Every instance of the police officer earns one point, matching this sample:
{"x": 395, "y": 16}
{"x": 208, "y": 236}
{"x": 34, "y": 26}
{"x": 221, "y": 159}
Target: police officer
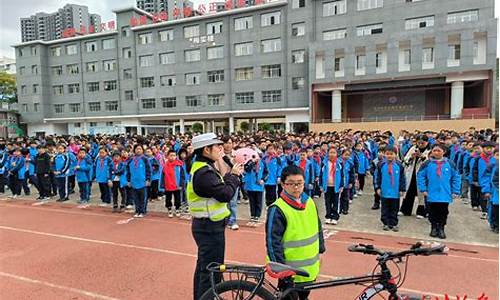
{"x": 208, "y": 194}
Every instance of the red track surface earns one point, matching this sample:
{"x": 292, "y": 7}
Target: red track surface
{"x": 61, "y": 252}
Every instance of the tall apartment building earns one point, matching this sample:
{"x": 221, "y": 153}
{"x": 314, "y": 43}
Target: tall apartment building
{"x": 47, "y": 27}
{"x": 156, "y": 6}
{"x": 321, "y": 64}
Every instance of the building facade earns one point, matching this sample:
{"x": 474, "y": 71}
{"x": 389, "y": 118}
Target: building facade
{"x": 7, "y": 65}
{"x": 291, "y": 63}
{"x": 156, "y": 6}
{"x": 47, "y": 27}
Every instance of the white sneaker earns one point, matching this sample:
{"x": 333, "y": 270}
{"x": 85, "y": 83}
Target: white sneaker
{"x": 419, "y": 217}
{"x": 234, "y": 227}
{"x": 177, "y": 214}
{"x": 327, "y": 221}
{"x": 355, "y": 196}
{"x": 360, "y": 193}
{"x": 140, "y": 216}
{"x": 484, "y": 216}
{"x": 350, "y": 201}
{"x": 171, "y": 213}
{"x": 129, "y": 207}
{"x": 136, "y": 216}
{"x": 400, "y": 213}
{"x": 334, "y": 222}
{"x": 103, "y": 205}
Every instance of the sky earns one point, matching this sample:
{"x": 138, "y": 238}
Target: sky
{"x": 12, "y": 10}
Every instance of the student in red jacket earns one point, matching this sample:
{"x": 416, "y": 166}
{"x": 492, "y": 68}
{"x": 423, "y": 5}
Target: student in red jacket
{"x": 172, "y": 183}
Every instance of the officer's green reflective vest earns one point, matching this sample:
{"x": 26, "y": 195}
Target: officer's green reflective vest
{"x": 301, "y": 238}
{"x": 200, "y": 207}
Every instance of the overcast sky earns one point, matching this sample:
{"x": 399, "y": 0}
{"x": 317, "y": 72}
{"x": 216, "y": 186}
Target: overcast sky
{"x": 12, "y": 10}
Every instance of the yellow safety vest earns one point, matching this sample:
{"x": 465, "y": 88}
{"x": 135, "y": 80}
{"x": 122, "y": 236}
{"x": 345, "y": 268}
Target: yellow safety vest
{"x": 200, "y": 207}
{"x": 301, "y": 239}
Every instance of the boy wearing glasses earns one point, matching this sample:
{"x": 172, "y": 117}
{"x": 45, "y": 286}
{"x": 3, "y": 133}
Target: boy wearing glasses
{"x": 293, "y": 230}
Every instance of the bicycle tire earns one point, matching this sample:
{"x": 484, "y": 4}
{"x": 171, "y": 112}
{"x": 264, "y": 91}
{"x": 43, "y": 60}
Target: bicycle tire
{"x": 238, "y": 285}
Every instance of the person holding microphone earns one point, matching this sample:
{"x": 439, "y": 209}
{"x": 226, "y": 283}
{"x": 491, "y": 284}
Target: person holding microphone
{"x": 208, "y": 195}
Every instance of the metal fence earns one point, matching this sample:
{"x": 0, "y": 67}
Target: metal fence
{"x": 406, "y": 118}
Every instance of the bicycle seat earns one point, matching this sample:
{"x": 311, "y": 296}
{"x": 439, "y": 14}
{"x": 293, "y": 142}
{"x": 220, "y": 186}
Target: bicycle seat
{"x": 280, "y": 271}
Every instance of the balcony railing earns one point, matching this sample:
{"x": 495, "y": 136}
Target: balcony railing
{"x": 406, "y": 118}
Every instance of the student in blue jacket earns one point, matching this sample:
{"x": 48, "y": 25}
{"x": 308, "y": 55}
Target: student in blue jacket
{"x": 155, "y": 175}
{"x": 439, "y": 181}
{"x": 61, "y": 170}
{"x": 363, "y": 166}
{"x": 3, "y": 167}
{"x": 480, "y": 170}
{"x": 273, "y": 165}
{"x": 349, "y": 169}
{"x": 71, "y": 174}
{"x": 83, "y": 176}
{"x": 307, "y": 166}
{"x": 103, "y": 171}
{"x": 129, "y": 202}
{"x": 139, "y": 178}
{"x": 118, "y": 187}
{"x": 254, "y": 186}
{"x": 390, "y": 184}
{"x": 332, "y": 183}
{"x": 17, "y": 172}
{"x": 489, "y": 188}
{"x": 469, "y": 162}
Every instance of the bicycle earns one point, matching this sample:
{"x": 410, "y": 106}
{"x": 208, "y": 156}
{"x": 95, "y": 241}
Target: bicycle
{"x": 251, "y": 283}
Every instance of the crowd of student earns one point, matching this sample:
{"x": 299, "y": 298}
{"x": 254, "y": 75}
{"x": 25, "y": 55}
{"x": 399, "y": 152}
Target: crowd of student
{"x": 130, "y": 171}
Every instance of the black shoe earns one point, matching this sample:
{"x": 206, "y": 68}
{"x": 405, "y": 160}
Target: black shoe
{"x": 39, "y": 198}
{"x": 60, "y": 200}
{"x": 375, "y": 206}
{"x": 434, "y": 231}
{"x": 115, "y": 209}
{"x": 441, "y": 233}
{"x": 345, "y": 212}
{"x": 65, "y": 199}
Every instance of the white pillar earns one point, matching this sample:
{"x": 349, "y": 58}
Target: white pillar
{"x": 457, "y": 99}
{"x": 231, "y": 125}
{"x": 287, "y": 126}
{"x": 212, "y": 126}
{"x": 181, "y": 126}
{"x": 336, "y": 106}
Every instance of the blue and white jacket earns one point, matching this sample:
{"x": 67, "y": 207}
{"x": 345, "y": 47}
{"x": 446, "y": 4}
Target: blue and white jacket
{"x": 84, "y": 173}
{"x": 439, "y": 188}
{"x": 274, "y": 168}
{"x": 340, "y": 178}
{"x": 252, "y": 176}
{"x": 61, "y": 164}
{"x": 103, "y": 169}
{"x": 138, "y": 171}
{"x": 489, "y": 184}
{"x": 363, "y": 162}
{"x": 390, "y": 185}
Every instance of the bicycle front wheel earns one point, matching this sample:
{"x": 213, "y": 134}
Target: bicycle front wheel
{"x": 238, "y": 290}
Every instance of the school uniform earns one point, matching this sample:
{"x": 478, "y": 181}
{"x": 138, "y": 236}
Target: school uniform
{"x": 349, "y": 173}
{"x": 391, "y": 181}
{"x": 138, "y": 172}
{"x": 307, "y": 166}
{"x": 129, "y": 197}
{"x": 118, "y": 187}
{"x": 30, "y": 176}
{"x": 489, "y": 185}
{"x": 72, "y": 174}
{"x": 17, "y": 173}
{"x": 332, "y": 183}
{"x": 3, "y": 170}
{"x": 272, "y": 164}
{"x": 318, "y": 165}
{"x": 103, "y": 170}
{"x": 155, "y": 177}
{"x": 480, "y": 170}
{"x": 61, "y": 165}
{"x": 363, "y": 167}
{"x": 83, "y": 176}
{"x": 172, "y": 181}
{"x": 475, "y": 191}
{"x": 42, "y": 164}
{"x": 461, "y": 158}
{"x": 254, "y": 173}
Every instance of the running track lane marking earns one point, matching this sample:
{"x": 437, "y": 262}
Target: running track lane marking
{"x": 126, "y": 221}
{"x": 245, "y": 231}
{"x": 61, "y": 287}
{"x": 165, "y": 251}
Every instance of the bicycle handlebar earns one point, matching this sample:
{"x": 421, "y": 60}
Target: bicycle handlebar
{"x": 416, "y": 249}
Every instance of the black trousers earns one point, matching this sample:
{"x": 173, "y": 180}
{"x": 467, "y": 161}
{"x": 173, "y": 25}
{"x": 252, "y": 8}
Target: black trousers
{"x": 153, "y": 189}
{"x": 475, "y": 195}
{"x": 105, "y": 192}
{"x": 494, "y": 216}
{"x": 389, "y": 211}
{"x": 177, "y": 199}
{"x": 438, "y": 212}
{"x": 483, "y": 203}
{"x": 2, "y": 183}
{"x": 344, "y": 201}
{"x": 44, "y": 185}
{"x": 361, "y": 180}
{"x": 72, "y": 183}
{"x": 62, "y": 186}
{"x": 332, "y": 205}
{"x": 15, "y": 184}
{"x": 376, "y": 199}
{"x": 280, "y": 189}
{"x": 115, "y": 189}
{"x": 53, "y": 184}
{"x": 271, "y": 195}
{"x": 409, "y": 199}
{"x": 283, "y": 284}
{"x": 255, "y": 199}
{"x": 211, "y": 242}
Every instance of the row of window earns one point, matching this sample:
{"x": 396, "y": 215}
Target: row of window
{"x": 74, "y": 88}
{"x": 109, "y": 106}
{"x": 91, "y": 46}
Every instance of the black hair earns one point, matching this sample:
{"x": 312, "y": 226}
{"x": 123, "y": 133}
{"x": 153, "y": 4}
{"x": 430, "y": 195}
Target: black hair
{"x": 171, "y": 151}
{"x": 291, "y": 170}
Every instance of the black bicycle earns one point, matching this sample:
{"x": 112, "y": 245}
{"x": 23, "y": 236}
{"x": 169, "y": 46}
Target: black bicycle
{"x": 246, "y": 282}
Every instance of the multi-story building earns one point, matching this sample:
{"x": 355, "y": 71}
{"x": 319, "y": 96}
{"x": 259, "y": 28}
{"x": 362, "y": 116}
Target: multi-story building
{"x": 292, "y": 63}
{"x": 156, "y": 6}
{"x": 7, "y": 65}
{"x": 47, "y": 27}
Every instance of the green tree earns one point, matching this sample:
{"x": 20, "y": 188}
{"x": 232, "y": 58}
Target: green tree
{"x": 265, "y": 127}
{"x": 8, "y": 89}
{"x": 197, "y": 127}
{"x": 244, "y": 126}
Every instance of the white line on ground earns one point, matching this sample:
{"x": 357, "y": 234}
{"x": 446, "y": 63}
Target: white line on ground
{"x": 61, "y": 287}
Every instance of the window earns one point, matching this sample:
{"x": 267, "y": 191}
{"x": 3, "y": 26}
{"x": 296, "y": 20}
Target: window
{"x": 407, "y": 56}
{"x": 243, "y": 74}
{"x": 298, "y": 29}
{"x": 336, "y": 34}
{"x": 428, "y": 55}
{"x": 215, "y": 52}
{"x": 22, "y": 70}
{"x": 169, "y": 102}
{"x": 34, "y": 70}
{"x": 109, "y": 123}
{"x": 271, "y": 71}
{"x": 110, "y": 85}
{"x": 93, "y": 86}
{"x": 147, "y": 82}
{"x": 36, "y": 107}
{"x": 270, "y": 19}
{"x": 74, "y": 107}
{"x": 25, "y": 108}
{"x": 360, "y": 61}
{"x": 109, "y": 65}
{"x": 193, "y": 101}
{"x": 380, "y": 61}
{"x": 215, "y": 76}
{"x": 216, "y": 100}
{"x": 33, "y": 51}
{"x": 298, "y": 56}
{"x": 244, "y": 98}
{"x": 125, "y": 31}
{"x": 92, "y": 124}
{"x": 94, "y": 106}
{"x": 145, "y": 38}
{"x": 192, "y": 55}
{"x": 297, "y": 83}
{"x": 111, "y": 105}
{"x": 334, "y": 8}
{"x": 463, "y": 16}
{"x": 59, "y": 108}
{"x": 243, "y": 49}
{"x": 127, "y": 74}
{"x": 370, "y": 4}
{"x": 146, "y": 61}
{"x": 192, "y": 78}
{"x": 167, "y": 58}
{"x": 74, "y": 88}
{"x": 191, "y": 31}
{"x": 58, "y": 90}
{"x": 243, "y": 23}
{"x": 268, "y": 46}
{"x": 167, "y": 80}
{"x": 166, "y": 35}
{"x": 24, "y": 90}
{"x": 339, "y": 64}
{"x": 129, "y": 95}
{"x": 92, "y": 66}
{"x": 298, "y": 3}
{"x": 271, "y": 96}
{"x": 214, "y": 28}
{"x": 57, "y": 70}
{"x": 71, "y": 50}
{"x": 369, "y": 29}
{"x": 454, "y": 52}
{"x": 35, "y": 89}
{"x": 127, "y": 52}
{"x": 73, "y": 69}
{"x": 56, "y": 51}
{"x": 91, "y": 46}
{"x": 421, "y": 22}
